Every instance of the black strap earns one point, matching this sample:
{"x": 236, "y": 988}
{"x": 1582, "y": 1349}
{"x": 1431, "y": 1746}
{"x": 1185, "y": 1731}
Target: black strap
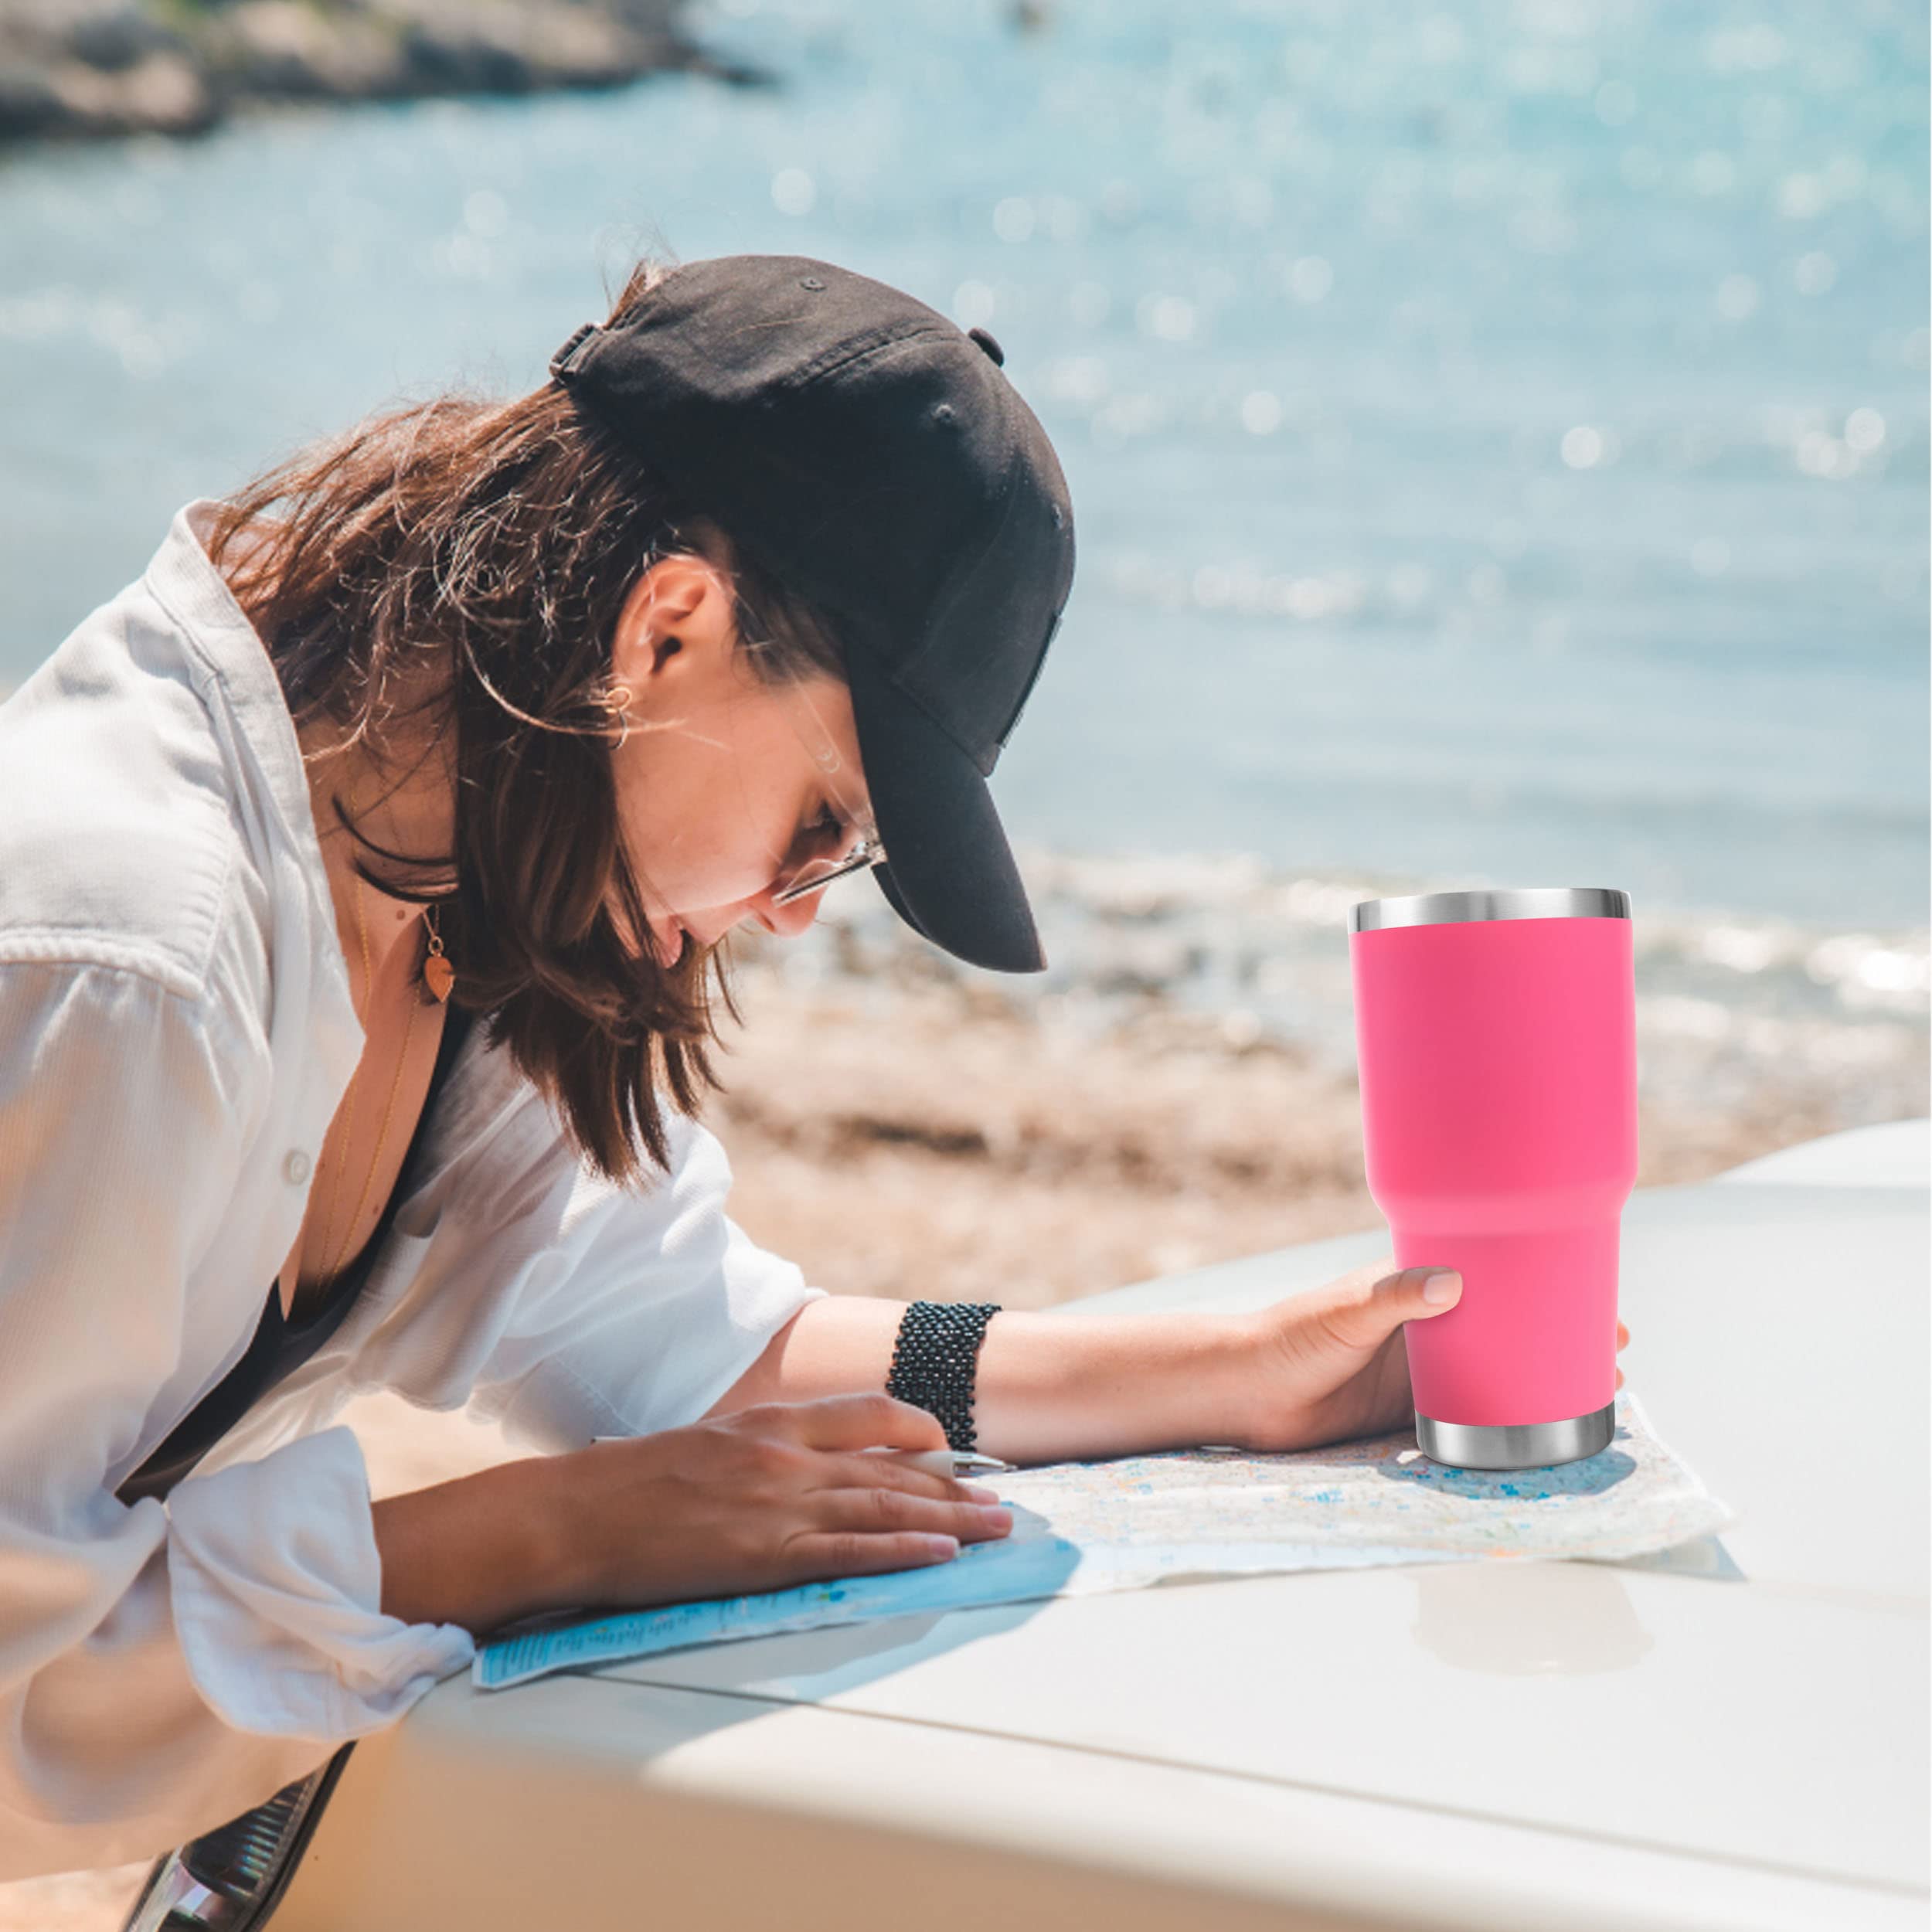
{"x": 564, "y": 362}
{"x": 280, "y": 1346}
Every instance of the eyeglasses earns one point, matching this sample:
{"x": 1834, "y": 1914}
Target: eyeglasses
{"x": 862, "y": 857}
{"x": 816, "y": 874}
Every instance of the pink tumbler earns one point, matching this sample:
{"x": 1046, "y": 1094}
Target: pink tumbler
{"x": 1496, "y": 1036}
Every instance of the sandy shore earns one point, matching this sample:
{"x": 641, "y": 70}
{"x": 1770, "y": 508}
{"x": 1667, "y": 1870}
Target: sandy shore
{"x": 900, "y": 1130}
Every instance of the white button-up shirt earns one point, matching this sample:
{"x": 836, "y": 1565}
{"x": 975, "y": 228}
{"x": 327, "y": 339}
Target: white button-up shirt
{"x": 176, "y": 1032}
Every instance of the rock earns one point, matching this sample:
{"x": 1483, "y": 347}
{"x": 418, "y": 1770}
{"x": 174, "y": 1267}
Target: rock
{"x": 456, "y": 50}
{"x": 29, "y": 102}
{"x": 116, "y": 35}
{"x": 287, "y": 49}
{"x": 96, "y": 67}
{"x": 163, "y": 93}
{"x": 112, "y": 35}
{"x": 117, "y": 66}
{"x": 575, "y": 47}
{"x": 497, "y": 47}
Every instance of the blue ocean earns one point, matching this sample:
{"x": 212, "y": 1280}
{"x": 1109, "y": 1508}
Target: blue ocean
{"x": 1498, "y": 434}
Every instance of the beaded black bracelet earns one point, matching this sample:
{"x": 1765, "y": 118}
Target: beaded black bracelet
{"x": 935, "y": 1358}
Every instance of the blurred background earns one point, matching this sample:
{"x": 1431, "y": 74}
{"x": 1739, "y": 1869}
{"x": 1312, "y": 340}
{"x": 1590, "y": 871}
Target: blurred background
{"x": 1498, "y": 435}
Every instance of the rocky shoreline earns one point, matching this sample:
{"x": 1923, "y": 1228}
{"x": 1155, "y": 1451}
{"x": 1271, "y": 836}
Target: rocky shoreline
{"x": 80, "y": 68}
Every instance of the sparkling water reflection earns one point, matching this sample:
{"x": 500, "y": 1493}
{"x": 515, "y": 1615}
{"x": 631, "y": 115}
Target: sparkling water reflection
{"x": 1499, "y": 436}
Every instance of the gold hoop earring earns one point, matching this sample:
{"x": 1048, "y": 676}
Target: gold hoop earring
{"x": 616, "y": 700}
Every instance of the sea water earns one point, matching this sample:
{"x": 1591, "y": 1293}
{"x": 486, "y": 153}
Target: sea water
{"x": 1496, "y": 435}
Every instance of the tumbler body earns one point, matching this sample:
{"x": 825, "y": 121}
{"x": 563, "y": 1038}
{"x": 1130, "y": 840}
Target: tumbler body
{"x": 1495, "y": 1035}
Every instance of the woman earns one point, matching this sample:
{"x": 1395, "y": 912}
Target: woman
{"x": 509, "y": 713}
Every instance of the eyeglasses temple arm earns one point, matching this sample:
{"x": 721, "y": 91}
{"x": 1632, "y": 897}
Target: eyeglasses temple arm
{"x": 862, "y": 861}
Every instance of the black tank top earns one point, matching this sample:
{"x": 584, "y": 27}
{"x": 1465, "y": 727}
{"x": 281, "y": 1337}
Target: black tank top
{"x": 281, "y": 1346}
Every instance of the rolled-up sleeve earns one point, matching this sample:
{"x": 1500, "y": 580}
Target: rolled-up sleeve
{"x": 161, "y": 1669}
{"x": 643, "y": 1306}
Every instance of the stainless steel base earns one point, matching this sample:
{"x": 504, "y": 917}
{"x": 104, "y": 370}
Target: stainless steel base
{"x": 1516, "y": 1445}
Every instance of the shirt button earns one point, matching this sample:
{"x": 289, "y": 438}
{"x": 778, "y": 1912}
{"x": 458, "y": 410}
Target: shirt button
{"x": 295, "y": 1166}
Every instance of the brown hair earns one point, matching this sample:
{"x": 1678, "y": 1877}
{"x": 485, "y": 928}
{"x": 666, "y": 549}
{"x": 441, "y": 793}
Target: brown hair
{"x": 464, "y": 561}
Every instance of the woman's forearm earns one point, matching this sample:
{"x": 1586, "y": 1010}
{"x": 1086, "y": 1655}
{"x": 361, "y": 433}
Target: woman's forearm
{"x": 1053, "y": 1387}
{"x": 484, "y": 1549}
{"x": 479, "y": 1551}
{"x": 1050, "y": 1386}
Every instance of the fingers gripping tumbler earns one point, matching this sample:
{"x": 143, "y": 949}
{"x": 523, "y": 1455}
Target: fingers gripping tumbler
{"x": 1496, "y": 1039}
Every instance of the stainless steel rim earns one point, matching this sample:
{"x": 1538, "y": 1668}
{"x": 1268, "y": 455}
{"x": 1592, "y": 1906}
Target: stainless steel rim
{"x": 1516, "y": 1445}
{"x": 1524, "y": 902}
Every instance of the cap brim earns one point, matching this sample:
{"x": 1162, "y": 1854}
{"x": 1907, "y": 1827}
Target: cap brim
{"x": 949, "y": 872}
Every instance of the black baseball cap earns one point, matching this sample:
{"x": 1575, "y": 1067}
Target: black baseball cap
{"x": 875, "y": 456}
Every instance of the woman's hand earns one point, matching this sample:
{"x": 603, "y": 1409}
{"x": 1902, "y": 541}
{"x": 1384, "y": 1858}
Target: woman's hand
{"x": 762, "y": 1499}
{"x": 1330, "y": 1365}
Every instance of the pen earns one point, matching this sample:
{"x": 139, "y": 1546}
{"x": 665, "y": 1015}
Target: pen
{"x": 935, "y": 1462}
{"x": 943, "y": 1462}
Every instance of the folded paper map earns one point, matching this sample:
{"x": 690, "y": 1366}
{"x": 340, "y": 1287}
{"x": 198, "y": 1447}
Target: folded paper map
{"x": 1139, "y": 1520}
